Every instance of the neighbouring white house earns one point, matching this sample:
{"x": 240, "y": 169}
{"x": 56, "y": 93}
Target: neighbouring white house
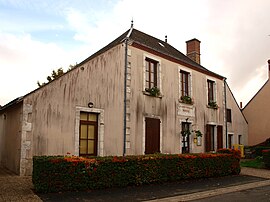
{"x": 137, "y": 95}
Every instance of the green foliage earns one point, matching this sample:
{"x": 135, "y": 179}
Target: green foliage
{"x": 186, "y": 99}
{"x": 185, "y": 133}
{"x": 154, "y": 91}
{"x": 198, "y": 133}
{"x": 58, "y": 173}
{"x": 213, "y": 104}
{"x": 257, "y": 150}
{"x": 254, "y": 163}
{"x": 266, "y": 158}
{"x": 54, "y": 75}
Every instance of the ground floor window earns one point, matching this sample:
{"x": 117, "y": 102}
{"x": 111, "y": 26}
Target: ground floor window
{"x": 88, "y": 134}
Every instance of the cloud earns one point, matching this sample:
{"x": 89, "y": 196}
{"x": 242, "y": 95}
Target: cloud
{"x": 24, "y": 61}
{"x": 238, "y": 36}
{"x": 233, "y": 34}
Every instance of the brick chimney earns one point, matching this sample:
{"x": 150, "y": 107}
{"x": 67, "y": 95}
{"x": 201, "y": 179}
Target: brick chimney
{"x": 193, "y": 50}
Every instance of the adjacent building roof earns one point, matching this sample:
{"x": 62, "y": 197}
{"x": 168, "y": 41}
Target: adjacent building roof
{"x": 11, "y": 103}
{"x": 256, "y": 94}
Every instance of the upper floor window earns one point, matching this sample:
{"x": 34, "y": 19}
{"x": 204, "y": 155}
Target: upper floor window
{"x": 211, "y": 92}
{"x": 185, "y": 83}
{"x": 151, "y": 73}
{"x": 229, "y": 115}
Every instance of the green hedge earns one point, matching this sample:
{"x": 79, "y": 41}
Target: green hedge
{"x": 258, "y": 150}
{"x": 255, "y": 151}
{"x": 58, "y": 173}
{"x": 266, "y": 158}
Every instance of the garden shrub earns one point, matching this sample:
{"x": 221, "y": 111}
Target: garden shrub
{"x": 266, "y": 158}
{"x": 257, "y": 151}
{"x": 69, "y": 173}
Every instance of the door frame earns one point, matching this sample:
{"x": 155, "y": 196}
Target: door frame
{"x": 100, "y": 123}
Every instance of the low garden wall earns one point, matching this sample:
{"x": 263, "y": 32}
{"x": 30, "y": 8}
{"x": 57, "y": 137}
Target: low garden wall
{"x": 70, "y": 173}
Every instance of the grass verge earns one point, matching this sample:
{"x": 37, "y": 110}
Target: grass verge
{"x": 254, "y": 163}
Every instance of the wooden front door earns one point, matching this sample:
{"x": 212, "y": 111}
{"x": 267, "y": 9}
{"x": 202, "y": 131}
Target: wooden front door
{"x": 152, "y": 135}
{"x": 219, "y": 137}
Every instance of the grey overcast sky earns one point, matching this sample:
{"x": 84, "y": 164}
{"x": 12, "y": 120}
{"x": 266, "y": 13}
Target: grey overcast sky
{"x": 37, "y": 36}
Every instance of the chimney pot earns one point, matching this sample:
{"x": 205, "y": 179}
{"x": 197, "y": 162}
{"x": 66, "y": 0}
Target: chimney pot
{"x": 241, "y": 105}
{"x": 193, "y": 50}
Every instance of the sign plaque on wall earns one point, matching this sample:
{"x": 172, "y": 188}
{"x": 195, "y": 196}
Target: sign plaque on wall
{"x": 186, "y": 110}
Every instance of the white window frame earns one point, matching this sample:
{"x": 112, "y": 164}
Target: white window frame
{"x": 215, "y": 89}
{"x": 189, "y": 82}
{"x": 159, "y": 80}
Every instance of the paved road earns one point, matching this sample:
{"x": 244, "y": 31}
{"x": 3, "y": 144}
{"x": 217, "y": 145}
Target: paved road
{"x": 159, "y": 192}
{"x": 250, "y": 195}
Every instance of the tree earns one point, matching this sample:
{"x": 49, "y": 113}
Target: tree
{"x": 55, "y": 74}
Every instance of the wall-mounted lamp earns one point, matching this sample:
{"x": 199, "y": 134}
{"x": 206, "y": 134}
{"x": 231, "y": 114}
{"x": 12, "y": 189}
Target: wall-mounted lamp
{"x": 90, "y": 104}
{"x": 195, "y": 140}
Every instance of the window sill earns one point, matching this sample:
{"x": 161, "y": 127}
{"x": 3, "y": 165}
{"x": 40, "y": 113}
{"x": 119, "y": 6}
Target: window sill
{"x": 181, "y": 101}
{"x": 210, "y": 107}
{"x": 148, "y": 94}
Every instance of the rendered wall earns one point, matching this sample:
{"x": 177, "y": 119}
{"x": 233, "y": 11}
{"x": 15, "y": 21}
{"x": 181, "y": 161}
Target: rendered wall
{"x": 257, "y": 114}
{"x": 10, "y": 137}
{"x": 55, "y": 106}
{"x": 239, "y": 125}
{"x": 168, "y": 107}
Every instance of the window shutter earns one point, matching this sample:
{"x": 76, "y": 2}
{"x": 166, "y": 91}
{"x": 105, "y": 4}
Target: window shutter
{"x": 215, "y": 92}
{"x": 180, "y": 83}
{"x": 158, "y": 75}
{"x": 189, "y": 85}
